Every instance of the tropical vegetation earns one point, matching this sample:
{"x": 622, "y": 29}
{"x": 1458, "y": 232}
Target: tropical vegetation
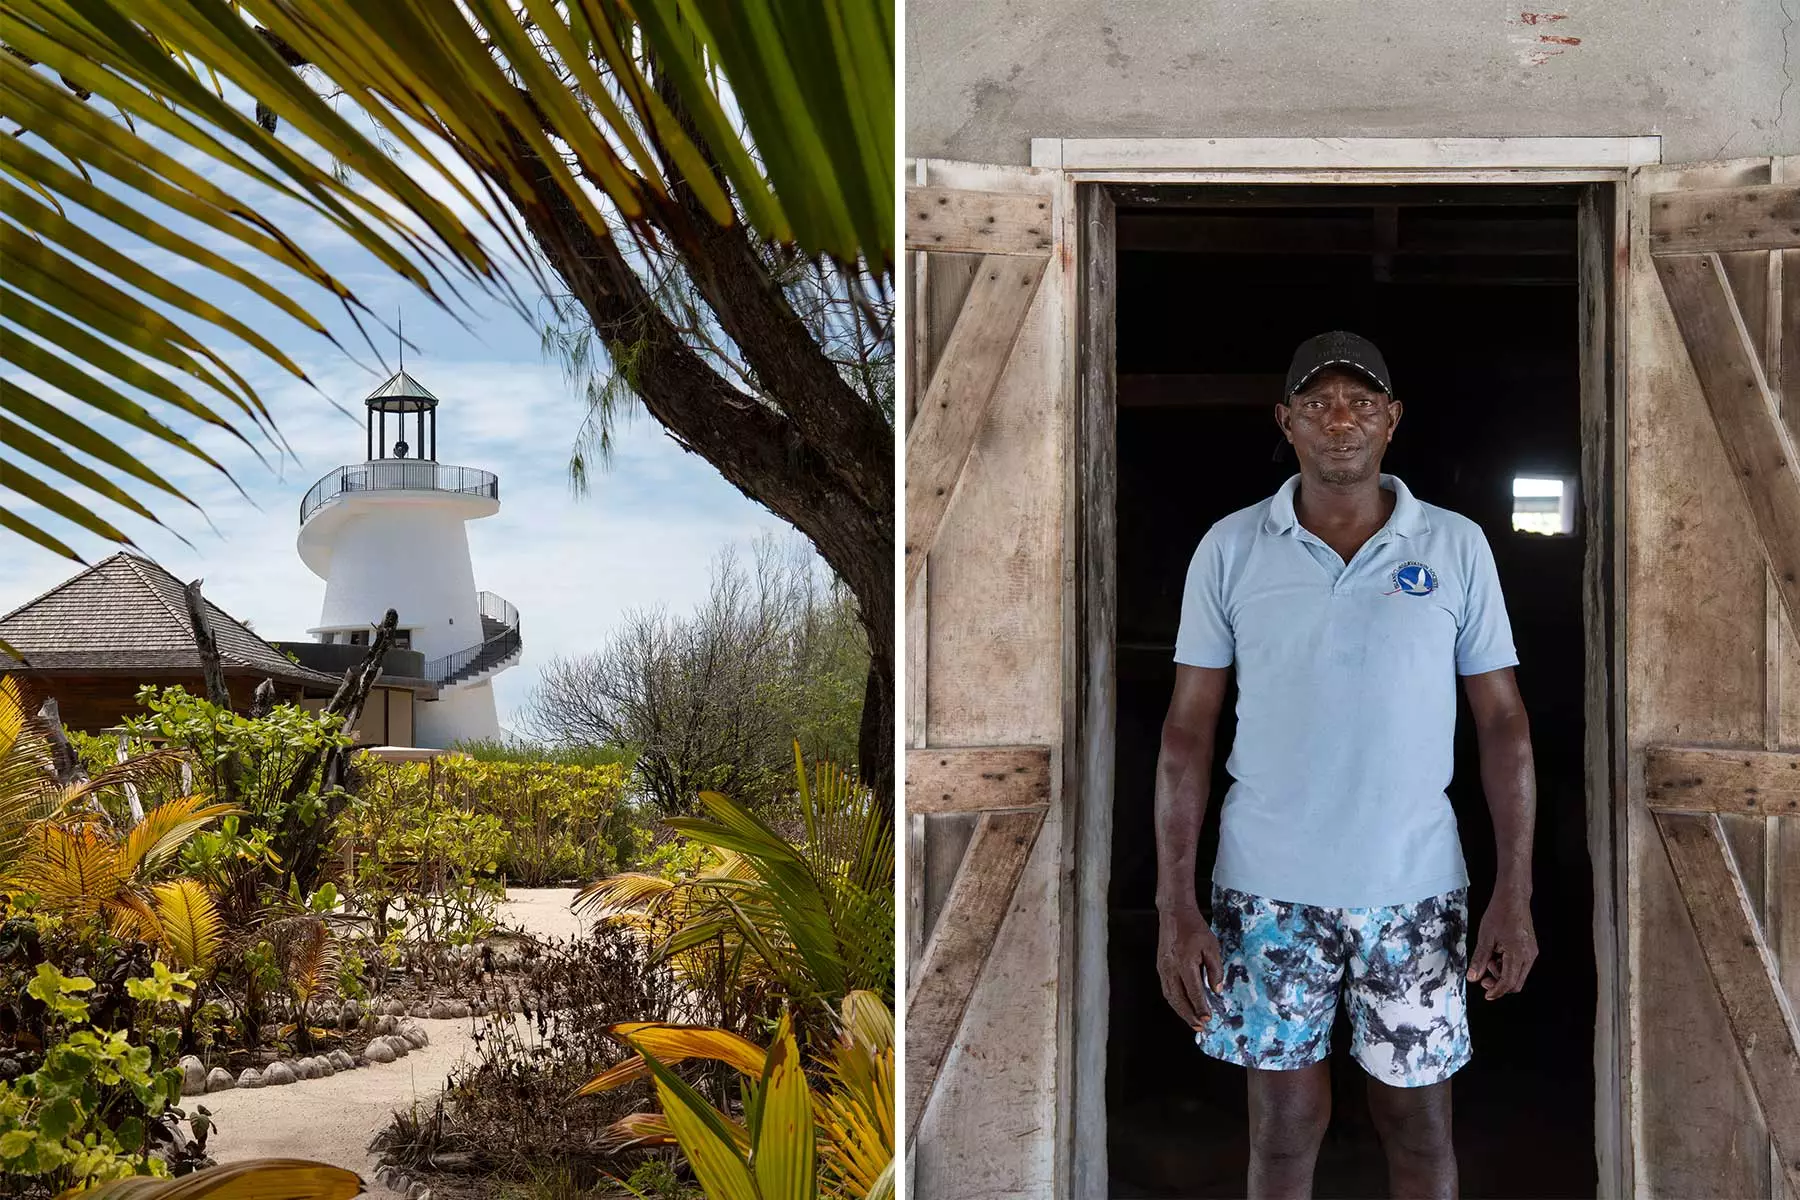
{"x": 739, "y": 1008}
{"x": 701, "y": 190}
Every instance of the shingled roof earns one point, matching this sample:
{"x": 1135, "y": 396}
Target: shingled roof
{"x": 126, "y": 613}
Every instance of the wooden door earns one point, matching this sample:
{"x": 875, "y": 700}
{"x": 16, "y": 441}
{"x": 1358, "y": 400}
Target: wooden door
{"x": 1710, "y": 578}
{"x": 988, "y": 359}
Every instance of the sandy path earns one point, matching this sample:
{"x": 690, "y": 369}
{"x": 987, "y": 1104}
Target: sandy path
{"x": 333, "y": 1120}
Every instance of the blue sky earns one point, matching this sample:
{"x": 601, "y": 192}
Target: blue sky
{"x": 645, "y": 534}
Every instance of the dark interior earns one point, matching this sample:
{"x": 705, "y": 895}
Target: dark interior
{"x": 1471, "y": 293}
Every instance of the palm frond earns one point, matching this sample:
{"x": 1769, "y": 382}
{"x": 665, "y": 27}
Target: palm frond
{"x": 494, "y": 107}
{"x": 28, "y": 791}
{"x": 307, "y": 952}
{"x": 716, "y": 1146}
{"x": 786, "y": 1143}
{"x": 856, "y": 1113}
{"x": 130, "y": 917}
{"x": 252, "y": 1179}
{"x": 868, "y": 1021}
{"x": 671, "y": 1044}
{"x": 192, "y": 929}
{"x": 164, "y": 830}
{"x": 635, "y": 1129}
{"x": 73, "y": 869}
{"x": 149, "y": 771}
{"x": 630, "y": 892}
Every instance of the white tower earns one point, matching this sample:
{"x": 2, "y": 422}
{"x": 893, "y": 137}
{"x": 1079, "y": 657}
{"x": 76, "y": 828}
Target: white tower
{"x": 388, "y": 533}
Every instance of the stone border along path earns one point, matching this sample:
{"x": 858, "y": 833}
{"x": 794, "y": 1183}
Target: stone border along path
{"x": 333, "y": 1118}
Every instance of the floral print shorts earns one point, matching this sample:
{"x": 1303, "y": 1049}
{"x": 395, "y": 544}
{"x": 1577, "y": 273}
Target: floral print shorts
{"x": 1399, "y": 967}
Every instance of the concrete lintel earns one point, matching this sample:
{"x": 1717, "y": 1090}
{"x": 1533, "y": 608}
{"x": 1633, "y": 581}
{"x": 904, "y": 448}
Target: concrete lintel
{"x": 1346, "y": 153}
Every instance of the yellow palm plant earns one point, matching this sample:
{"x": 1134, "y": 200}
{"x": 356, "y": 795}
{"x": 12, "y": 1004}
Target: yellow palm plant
{"x": 28, "y": 791}
{"x": 796, "y": 1141}
{"x": 252, "y": 1179}
{"x": 79, "y": 868}
{"x": 58, "y": 843}
{"x": 308, "y": 956}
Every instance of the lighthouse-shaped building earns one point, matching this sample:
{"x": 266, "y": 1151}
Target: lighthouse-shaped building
{"x": 388, "y": 533}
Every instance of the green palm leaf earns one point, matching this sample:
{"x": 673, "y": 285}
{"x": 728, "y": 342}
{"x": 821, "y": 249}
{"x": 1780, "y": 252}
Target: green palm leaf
{"x": 785, "y": 121}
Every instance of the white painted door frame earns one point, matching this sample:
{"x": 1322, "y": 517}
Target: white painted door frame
{"x": 1087, "y": 161}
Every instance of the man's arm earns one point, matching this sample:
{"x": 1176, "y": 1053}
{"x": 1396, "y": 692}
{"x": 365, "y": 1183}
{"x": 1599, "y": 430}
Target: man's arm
{"x": 1507, "y": 945}
{"x": 1185, "y": 943}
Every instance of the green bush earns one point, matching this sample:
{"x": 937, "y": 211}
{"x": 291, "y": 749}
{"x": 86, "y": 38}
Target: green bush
{"x": 513, "y": 751}
{"x": 86, "y": 1113}
{"x": 556, "y": 821}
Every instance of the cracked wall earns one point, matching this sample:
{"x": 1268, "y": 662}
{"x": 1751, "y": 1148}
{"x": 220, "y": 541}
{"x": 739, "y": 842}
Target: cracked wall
{"x": 1713, "y": 77}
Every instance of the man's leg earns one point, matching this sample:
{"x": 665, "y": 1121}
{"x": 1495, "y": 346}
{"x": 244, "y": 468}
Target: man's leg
{"x": 1410, "y": 1032}
{"x": 1288, "y": 1114}
{"x": 1414, "y": 1123}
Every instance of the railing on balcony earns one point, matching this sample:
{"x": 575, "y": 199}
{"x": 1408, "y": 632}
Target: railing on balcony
{"x": 398, "y": 475}
{"x": 493, "y": 608}
{"x": 500, "y": 625}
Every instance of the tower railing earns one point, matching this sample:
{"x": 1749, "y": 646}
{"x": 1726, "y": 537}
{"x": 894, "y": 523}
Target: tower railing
{"x": 502, "y": 619}
{"x": 493, "y": 608}
{"x": 398, "y": 475}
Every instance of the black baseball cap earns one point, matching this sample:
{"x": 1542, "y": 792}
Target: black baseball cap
{"x": 1339, "y": 348}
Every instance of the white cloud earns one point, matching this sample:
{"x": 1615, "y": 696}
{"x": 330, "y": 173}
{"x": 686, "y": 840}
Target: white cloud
{"x": 646, "y": 535}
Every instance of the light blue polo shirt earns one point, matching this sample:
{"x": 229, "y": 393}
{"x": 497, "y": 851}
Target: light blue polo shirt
{"x": 1346, "y": 695}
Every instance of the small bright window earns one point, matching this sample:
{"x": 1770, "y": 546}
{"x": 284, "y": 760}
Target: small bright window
{"x": 1544, "y": 504}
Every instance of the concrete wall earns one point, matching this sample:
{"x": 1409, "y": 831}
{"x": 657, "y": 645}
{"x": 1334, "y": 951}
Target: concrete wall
{"x": 983, "y": 77}
{"x": 408, "y": 552}
{"x": 464, "y": 712}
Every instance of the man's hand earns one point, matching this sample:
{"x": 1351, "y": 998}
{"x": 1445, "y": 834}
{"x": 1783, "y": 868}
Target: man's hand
{"x": 1187, "y": 956}
{"x": 1506, "y": 946}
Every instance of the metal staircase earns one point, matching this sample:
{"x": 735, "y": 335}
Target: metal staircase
{"x": 499, "y": 648}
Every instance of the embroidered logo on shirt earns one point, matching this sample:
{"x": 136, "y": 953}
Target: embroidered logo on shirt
{"x": 1413, "y": 579}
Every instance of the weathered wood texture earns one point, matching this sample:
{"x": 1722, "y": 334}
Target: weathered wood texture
{"x": 959, "y": 947}
{"x": 1746, "y": 782}
{"x": 91, "y": 703}
{"x": 1743, "y": 974}
{"x": 1596, "y": 232}
{"x": 995, "y": 588}
{"x": 1781, "y": 365}
{"x": 955, "y": 407}
{"x": 1092, "y": 656}
{"x": 967, "y": 222}
{"x": 977, "y": 778}
{"x": 1756, "y": 441}
{"x": 987, "y": 614}
{"x": 1719, "y": 221}
{"x": 1693, "y": 674}
{"x": 989, "y": 1130}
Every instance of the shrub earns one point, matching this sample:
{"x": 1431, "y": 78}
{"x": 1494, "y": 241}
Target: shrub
{"x": 90, "y": 1110}
{"x": 556, "y": 821}
{"x": 509, "y": 1114}
{"x": 414, "y": 848}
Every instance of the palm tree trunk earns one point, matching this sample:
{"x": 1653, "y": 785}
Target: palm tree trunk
{"x": 843, "y": 502}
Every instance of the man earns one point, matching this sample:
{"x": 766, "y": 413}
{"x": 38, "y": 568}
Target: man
{"x": 1348, "y": 608}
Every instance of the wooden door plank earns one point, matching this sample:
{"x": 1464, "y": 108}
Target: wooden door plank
{"x": 977, "y": 778}
{"x": 1722, "y": 220}
{"x": 1693, "y": 668}
{"x": 1702, "y": 780}
{"x": 1757, "y": 442}
{"x": 967, "y": 222}
{"x": 1743, "y": 975}
{"x": 959, "y": 947}
{"x": 962, "y": 386}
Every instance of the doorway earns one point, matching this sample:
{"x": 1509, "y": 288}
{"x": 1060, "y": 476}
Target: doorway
{"x": 1475, "y": 294}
